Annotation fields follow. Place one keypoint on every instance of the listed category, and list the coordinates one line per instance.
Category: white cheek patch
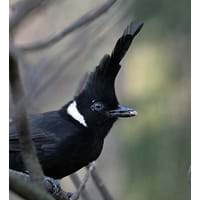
(73, 112)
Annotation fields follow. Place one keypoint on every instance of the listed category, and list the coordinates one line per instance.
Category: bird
(73, 136)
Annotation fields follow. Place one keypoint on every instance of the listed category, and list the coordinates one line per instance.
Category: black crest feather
(124, 41)
(105, 73)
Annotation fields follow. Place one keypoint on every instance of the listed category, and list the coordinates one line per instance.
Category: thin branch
(84, 20)
(100, 185)
(27, 190)
(21, 9)
(77, 183)
(50, 184)
(37, 88)
(62, 62)
(76, 195)
(28, 149)
(55, 76)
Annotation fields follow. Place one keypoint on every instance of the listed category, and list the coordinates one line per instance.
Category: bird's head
(96, 105)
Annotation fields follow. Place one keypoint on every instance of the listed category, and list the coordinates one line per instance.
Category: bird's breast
(87, 149)
(79, 154)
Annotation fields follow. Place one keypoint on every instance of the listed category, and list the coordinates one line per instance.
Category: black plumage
(71, 137)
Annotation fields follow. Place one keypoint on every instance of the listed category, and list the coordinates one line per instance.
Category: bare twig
(77, 183)
(28, 149)
(76, 195)
(39, 88)
(54, 77)
(62, 62)
(50, 184)
(27, 190)
(84, 20)
(21, 9)
(100, 185)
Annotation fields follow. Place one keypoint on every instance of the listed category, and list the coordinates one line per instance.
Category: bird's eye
(97, 106)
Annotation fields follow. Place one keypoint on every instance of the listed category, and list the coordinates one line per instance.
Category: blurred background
(146, 157)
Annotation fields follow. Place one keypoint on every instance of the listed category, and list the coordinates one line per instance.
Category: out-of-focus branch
(62, 62)
(84, 20)
(50, 184)
(27, 190)
(77, 194)
(28, 149)
(77, 183)
(100, 185)
(21, 9)
(54, 77)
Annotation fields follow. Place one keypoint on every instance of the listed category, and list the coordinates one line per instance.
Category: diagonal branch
(27, 190)
(51, 185)
(28, 149)
(54, 77)
(21, 9)
(79, 191)
(77, 183)
(84, 20)
(100, 185)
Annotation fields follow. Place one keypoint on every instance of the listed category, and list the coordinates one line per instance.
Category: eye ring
(97, 106)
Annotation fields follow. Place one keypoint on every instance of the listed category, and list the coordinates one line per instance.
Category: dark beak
(122, 111)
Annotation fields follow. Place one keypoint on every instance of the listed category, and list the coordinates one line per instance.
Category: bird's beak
(122, 111)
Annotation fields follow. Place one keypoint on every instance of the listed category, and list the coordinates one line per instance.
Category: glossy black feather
(124, 42)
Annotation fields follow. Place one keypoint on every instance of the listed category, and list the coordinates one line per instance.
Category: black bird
(70, 138)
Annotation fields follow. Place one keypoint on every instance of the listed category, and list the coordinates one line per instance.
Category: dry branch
(54, 77)
(27, 190)
(100, 185)
(84, 20)
(51, 185)
(21, 9)
(76, 195)
(77, 183)
(28, 149)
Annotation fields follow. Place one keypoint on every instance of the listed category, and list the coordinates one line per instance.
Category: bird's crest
(103, 77)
